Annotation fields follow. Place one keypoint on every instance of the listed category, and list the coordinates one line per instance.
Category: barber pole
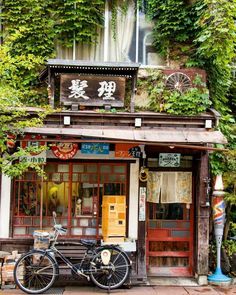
(218, 206)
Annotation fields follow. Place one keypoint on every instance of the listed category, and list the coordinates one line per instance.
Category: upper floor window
(127, 37)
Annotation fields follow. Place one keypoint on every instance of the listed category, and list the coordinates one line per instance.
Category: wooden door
(169, 239)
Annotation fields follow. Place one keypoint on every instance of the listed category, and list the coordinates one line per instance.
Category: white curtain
(91, 52)
(119, 42)
(120, 45)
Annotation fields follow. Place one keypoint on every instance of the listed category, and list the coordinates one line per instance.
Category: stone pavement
(137, 290)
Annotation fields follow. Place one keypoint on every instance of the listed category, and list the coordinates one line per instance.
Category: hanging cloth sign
(64, 151)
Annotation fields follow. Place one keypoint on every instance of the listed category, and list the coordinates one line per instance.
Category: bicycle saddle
(88, 243)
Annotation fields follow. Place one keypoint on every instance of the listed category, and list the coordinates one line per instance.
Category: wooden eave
(149, 119)
(58, 66)
(163, 130)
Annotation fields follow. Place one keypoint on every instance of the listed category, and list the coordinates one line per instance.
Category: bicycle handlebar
(58, 227)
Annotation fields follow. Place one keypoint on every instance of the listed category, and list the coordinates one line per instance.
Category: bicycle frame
(68, 262)
(107, 266)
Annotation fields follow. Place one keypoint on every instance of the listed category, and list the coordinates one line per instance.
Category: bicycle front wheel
(35, 272)
(114, 274)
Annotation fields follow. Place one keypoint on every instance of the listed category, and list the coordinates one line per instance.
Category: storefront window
(73, 191)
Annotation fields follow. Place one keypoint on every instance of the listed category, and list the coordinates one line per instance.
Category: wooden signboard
(92, 90)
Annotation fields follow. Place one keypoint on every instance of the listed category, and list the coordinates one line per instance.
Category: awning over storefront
(152, 135)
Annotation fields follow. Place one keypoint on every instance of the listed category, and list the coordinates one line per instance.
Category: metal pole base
(218, 277)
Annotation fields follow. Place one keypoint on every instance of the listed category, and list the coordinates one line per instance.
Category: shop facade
(150, 170)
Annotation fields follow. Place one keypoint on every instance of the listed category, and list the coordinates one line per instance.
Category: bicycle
(107, 266)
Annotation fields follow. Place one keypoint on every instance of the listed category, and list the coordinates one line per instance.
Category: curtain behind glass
(120, 41)
(91, 52)
(119, 46)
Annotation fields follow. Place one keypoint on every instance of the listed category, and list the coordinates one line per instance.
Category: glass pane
(105, 169)
(65, 177)
(63, 168)
(19, 231)
(56, 177)
(166, 211)
(78, 168)
(50, 168)
(119, 169)
(122, 47)
(92, 168)
(113, 189)
(103, 178)
(180, 233)
(75, 177)
(147, 53)
(112, 178)
(85, 178)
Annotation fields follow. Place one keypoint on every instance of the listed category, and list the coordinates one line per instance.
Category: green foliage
(77, 20)
(174, 23)
(208, 27)
(117, 6)
(31, 28)
(216, 47)
(191, 102)
(13, 119)
(230, 247)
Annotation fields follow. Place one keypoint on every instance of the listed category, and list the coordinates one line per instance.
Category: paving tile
(231, 290)
(206, 290)
(123, 291)
(170, 290)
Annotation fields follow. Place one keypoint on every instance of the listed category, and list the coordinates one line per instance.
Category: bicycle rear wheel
(35, 272)
(114, 274)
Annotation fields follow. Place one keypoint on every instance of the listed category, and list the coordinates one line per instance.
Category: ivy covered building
(127, 157)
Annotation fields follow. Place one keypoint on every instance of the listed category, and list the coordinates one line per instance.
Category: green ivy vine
(191, 102)
(31, 28)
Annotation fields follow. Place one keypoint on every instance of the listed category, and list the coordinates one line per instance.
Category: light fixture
(66, 120)
(208, 124)
(138, 122)
(219, 183)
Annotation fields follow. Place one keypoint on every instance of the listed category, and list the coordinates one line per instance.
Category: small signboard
(92, 90)
(95, 148)
(135, 152)
(142, 204)
(64, 150)
(122, 150)
(37, 159)
(169, 160)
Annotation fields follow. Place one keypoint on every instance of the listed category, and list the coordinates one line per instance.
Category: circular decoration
(11, 141)
(143, 174)
(65, 150)
(178, 81)
(32, 141)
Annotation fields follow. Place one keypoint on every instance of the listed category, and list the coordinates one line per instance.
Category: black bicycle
(107, 266)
